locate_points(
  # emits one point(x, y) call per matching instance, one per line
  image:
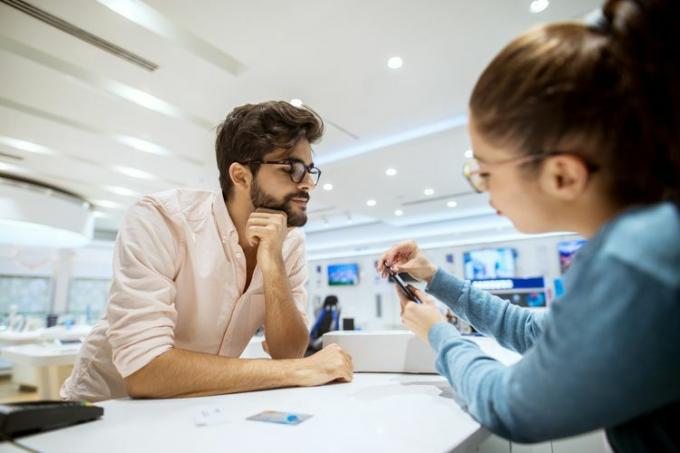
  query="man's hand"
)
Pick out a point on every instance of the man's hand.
point(328, 365)
point(267, 229)
point(419, 318)
point(407, 257)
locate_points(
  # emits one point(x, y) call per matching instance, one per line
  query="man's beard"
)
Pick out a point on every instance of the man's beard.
point(261, 199)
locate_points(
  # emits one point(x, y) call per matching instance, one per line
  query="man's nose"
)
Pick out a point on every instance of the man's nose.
point(307, 184)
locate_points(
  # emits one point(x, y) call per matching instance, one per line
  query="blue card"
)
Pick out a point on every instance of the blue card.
point(283, 418)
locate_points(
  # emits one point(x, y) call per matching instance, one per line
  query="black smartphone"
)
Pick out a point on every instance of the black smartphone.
point(402, 285)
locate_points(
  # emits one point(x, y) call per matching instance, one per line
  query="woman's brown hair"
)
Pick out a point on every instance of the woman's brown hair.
point(607, 89)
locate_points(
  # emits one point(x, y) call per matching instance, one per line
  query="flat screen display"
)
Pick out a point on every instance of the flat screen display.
point(343, 274)
point(567, 250)
point(490, 263)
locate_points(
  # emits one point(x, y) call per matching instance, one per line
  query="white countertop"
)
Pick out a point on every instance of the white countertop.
point(41, 354)
point(375, 412)
point(10, 337)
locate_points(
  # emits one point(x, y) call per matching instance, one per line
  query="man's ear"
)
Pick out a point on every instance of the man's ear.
point(240, 175)
point(564, 176)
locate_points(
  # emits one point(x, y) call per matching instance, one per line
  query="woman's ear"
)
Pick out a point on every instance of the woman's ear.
point(564, 176)
point(240, 175)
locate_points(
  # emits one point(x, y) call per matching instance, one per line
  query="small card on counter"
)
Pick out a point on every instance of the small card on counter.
point(283, 418)
point(210, 415)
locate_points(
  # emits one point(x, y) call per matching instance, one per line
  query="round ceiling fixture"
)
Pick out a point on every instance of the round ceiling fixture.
point(37, 214)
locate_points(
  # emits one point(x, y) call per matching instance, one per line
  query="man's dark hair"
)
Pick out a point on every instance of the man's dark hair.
point(251, 131)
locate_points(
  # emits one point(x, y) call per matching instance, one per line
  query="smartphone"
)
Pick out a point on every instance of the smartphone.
point(402, 286)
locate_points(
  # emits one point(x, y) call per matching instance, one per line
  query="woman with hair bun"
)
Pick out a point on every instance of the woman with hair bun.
point(575, 126)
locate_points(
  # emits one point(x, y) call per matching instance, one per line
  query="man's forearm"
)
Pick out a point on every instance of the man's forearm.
point(285, 330)
point(184, 373)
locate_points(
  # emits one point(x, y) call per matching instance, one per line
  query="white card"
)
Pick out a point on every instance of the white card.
point(210, 415)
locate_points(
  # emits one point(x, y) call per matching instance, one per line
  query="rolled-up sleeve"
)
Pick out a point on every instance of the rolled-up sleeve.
point(141, 309)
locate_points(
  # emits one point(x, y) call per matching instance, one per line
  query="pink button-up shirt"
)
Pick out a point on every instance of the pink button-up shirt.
point(179, 278)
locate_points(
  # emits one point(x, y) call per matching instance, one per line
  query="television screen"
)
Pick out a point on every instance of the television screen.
point(531, 299)
point(490, 263)
point(567, 250)
point(343, 274)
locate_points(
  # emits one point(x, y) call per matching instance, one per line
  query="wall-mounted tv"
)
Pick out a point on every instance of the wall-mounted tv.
point(490, 263)
point(343, 274)
point(567, 250)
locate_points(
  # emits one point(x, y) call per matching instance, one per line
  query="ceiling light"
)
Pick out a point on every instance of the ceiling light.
point(41, 216)
point(24, 145)
point(395, 62)
point(469, 154)
point(370, 202)
point(328, 186)
point(296, 102)
point(142, 145)
point(106, 204)
point(537, 6)
point(428, 192)
point(391, 171)
point(398, 212)
point(121, 191)
point(384, 142)
point(12, 168)
point(451, 204)
point(133, 172)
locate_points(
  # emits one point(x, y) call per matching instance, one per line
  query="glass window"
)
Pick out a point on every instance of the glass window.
point(88, 297)
point(31, 295)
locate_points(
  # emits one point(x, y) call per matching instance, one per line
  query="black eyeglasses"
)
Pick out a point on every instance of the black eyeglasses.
point(296, 169)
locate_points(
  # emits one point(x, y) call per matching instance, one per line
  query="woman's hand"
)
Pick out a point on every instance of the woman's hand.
point(419, 318)
point(407, 257)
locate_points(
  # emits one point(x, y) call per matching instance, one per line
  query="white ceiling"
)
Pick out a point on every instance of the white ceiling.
point(74, 100)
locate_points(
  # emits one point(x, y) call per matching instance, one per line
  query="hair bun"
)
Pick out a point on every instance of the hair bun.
point(643, 39)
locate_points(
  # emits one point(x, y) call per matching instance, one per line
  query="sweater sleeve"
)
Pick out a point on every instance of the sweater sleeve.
point(513, 327)
point(608, 353)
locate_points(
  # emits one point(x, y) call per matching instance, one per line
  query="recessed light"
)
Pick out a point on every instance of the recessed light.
point(133, 172)
point(537, 6)
point(451, 204)
point(370, 202)
point(391, 171)
point(395, 62)
point(398, 212)
point(296, 102)
point(469, 154)
point(328, 186)
point(428, 192)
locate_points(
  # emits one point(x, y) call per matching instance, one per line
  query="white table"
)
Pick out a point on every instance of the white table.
point(47, 360)
point(375, 412)
point(11, 337)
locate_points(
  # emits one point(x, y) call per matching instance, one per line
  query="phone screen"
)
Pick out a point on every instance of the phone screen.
point(402, 286)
